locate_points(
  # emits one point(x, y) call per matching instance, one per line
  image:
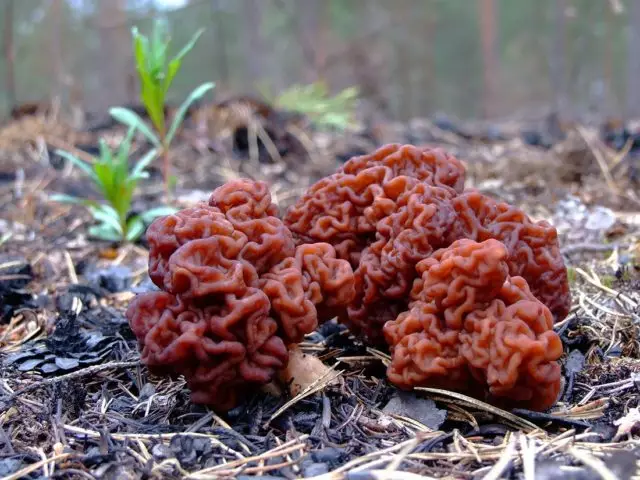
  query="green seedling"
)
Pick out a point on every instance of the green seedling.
point(156, 73)
point(608, 280)
point(116, 182)
point(314, 101)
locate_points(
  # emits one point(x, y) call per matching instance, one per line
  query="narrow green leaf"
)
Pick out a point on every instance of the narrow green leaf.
point(146, 79)
point(5, 237)
point(85, 167)
point(122, 202)
point(172, 70)
point(64, 198)
point(159, 43)
point(105, 171)
point(174, 64)
point(177, 120)
point(122, 193)
point(104, 232)
point(189, 45)
point(140, 176)
point(105, 152)
point(121, 166)
point(107, 215)
point(159, 60)
point(125, 145)
point(130, 118)
point(141, 51)
point(150, 215)
point(135, 228)
point(143, 163)
point(154, 102)
point(107, 210)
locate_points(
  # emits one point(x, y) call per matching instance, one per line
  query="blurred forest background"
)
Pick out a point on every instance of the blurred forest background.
point(410, 58)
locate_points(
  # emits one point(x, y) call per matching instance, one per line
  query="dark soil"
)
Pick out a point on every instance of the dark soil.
point(76, 403)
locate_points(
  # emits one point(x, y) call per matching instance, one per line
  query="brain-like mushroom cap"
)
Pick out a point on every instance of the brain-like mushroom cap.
point(166, 234)
point(534, 251)
point(220, 349)
point(386, 211)
point(433, 166)
point(244, 201)
point(236, 293)
point(422, 221)
point(337, 209)
point(473, 328)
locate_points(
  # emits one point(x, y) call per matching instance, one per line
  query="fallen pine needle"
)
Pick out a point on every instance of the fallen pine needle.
point(35, 466)
point(594, 463)
point(316, 386)
point(526, 425)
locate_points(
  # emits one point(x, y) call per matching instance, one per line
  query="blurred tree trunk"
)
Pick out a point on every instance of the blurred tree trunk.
point(9, 53)
point(558, 56)
point(633, 59)
point(115, 53)
point(220, 56)
point(614, 13)
point(312, 30)
point(608, 49)
point(403, 57)
point(428, 64)
point(490, 55)
point(56, 68)
point(255, 51)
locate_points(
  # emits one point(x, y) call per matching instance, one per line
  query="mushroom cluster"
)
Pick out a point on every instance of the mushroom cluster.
point(472, 327)
point(395, 212)
point(464, 290)
point(236, 293)
point(386, 211)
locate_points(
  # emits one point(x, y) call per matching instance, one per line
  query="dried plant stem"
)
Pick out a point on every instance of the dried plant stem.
point(35, 466)
point(69, 376)
point(602, 163)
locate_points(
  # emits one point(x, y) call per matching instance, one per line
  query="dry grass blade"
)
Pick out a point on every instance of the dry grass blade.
point(258, 132)
point(620, 156)
point(594, 463)
point(357, 359)
point(518, 422)
point(383, 357)
point(72, 270)
point(587, 411)
point(147, 437)
point(463, 415)
point(378, 457)
point(77, 374)
point(386, 475)
point(23, 327)
point(316, 386)
point(35, 466)
point(291, 446)
point(505, 459)
point(527, 451)
point(306, 142)
point(410, 423)
point(595, 281)
point(602, 163)
point(402, 454)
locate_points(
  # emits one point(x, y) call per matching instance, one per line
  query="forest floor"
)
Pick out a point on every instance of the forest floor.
point(76, 403)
